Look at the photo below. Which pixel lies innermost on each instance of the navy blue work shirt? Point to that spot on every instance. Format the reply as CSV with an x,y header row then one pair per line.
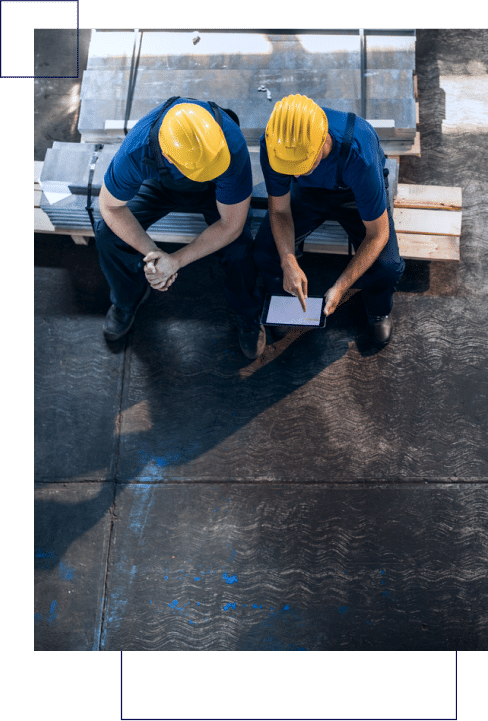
x,y
127,172
362,172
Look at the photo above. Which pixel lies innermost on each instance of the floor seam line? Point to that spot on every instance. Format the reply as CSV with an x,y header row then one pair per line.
x,y
105,578
118,419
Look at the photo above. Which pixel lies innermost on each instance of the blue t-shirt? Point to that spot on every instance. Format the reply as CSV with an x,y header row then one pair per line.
x,y
362,172
127,172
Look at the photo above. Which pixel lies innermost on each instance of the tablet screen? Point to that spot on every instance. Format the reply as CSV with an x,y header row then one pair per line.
x,y
285,310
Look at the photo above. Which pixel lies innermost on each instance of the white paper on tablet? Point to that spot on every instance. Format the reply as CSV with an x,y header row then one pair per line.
x,y
285,310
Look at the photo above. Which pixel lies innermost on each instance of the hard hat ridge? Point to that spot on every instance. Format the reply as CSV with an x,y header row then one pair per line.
x,y
193,140
295,133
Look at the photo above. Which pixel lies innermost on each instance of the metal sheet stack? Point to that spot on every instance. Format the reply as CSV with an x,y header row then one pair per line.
x,y
66,174
370,73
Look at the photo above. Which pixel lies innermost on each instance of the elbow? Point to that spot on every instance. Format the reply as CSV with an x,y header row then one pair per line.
x,y
232,232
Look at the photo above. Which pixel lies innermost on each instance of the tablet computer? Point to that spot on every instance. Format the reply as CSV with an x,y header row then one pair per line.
x,y
286,310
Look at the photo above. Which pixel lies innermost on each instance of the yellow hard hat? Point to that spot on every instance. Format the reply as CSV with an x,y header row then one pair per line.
x,y
194,141
295,134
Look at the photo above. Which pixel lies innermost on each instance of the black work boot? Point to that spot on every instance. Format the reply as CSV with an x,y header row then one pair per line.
x,y
119,322
380,329
252,337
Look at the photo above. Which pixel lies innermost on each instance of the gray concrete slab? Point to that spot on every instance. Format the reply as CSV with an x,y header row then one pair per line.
x,y
64,63
78,380
222,567
71,538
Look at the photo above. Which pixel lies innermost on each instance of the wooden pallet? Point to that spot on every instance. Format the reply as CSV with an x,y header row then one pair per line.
x,y
427,220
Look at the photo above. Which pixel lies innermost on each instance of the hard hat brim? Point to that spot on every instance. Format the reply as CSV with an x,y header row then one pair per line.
x,y
289,167
211,171
293,167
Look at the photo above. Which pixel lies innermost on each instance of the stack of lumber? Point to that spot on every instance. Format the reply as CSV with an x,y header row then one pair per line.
x,y
371,74
427,218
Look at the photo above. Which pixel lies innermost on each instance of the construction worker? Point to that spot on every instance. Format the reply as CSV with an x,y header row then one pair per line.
x,y
323,164
189,156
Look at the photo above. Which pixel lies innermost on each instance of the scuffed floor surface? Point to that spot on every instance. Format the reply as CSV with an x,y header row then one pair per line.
x,y
324,497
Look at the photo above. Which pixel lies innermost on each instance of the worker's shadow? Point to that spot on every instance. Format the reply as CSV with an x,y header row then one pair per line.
x,y
189,389
59,521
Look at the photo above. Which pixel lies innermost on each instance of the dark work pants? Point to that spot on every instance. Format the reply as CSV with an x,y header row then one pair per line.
x,y
123,266
310,207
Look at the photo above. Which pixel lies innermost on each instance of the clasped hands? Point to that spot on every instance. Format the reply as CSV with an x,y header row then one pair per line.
x,y
160,269
295,282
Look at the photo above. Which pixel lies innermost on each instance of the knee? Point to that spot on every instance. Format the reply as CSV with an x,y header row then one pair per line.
x,y
103,234
389,266
240,248
264,236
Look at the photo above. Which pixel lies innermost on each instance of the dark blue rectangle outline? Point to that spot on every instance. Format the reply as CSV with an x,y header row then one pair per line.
x,y
122,718
72,77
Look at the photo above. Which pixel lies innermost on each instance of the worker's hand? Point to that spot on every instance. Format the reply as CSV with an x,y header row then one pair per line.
x,y
167,284
160,270
295,281
332,300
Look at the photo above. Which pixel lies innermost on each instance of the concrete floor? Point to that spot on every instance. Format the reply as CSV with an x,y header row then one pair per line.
x,y
324,497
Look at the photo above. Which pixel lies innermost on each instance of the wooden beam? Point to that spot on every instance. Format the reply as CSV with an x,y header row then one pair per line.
x,y
429,247
428,197
427,222
42,224
414,247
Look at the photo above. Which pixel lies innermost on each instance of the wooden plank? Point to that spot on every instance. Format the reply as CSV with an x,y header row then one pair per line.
x,y
429,247
42,224
428,196
427,222
420,247
415,149
417,247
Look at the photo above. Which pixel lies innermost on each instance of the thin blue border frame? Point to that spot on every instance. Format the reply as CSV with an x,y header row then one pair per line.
x,y
67,77
141,718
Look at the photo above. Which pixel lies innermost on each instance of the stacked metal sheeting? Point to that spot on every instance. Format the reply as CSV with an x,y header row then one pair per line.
x,y
371,74
66,175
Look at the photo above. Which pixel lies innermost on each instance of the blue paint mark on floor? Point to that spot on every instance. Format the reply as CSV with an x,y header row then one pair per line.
x,y
53,612
44,554
229,579
65,572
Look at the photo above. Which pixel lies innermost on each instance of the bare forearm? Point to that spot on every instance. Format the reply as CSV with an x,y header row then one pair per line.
x,y
364,257
126,226
213,238
283,231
